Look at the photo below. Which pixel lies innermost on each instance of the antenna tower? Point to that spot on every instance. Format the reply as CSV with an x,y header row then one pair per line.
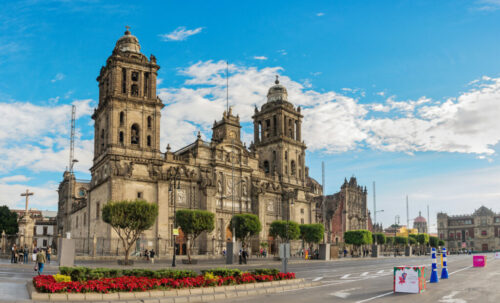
x,y
407,214
374,206
323,208
72,142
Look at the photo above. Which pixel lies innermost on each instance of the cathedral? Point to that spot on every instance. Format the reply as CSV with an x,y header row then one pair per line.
x,y
223,176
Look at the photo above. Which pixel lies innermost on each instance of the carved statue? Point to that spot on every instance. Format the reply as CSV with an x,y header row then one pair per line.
x,y
130,169
219,185
244,189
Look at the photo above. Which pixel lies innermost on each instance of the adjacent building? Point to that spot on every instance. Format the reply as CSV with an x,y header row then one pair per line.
x,y
420,224
38,229
221,175
479,231
346,210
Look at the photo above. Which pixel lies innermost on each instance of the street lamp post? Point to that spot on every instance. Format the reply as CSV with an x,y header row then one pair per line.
x,y
173,189
286,249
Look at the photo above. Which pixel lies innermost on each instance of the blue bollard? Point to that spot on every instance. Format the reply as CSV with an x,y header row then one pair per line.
x,y
444,271
434,273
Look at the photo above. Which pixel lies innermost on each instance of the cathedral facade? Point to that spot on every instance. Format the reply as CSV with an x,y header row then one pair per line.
x,y
222,175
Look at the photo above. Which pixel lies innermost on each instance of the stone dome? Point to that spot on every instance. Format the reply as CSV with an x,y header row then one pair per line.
x,y
128,43
277,92
420,219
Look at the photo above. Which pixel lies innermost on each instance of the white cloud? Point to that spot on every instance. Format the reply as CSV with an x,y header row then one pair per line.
x,y
260,57
58,77
380,94
320,14
37,137
282,52
16,178
335,122
45,196
180,34
487,5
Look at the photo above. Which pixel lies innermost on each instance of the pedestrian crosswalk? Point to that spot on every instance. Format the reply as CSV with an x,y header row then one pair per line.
x,y
340,279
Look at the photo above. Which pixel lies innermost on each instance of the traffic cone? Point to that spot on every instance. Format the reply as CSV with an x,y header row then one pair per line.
x,y
434,273
444,271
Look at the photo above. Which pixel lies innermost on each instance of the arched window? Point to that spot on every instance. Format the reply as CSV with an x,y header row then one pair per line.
x,y
150,122
122,118
124,81
266,167
149,141
292,167
275,126
121,138
134,134
102,137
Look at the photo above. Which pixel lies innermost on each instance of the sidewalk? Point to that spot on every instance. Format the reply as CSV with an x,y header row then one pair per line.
x,y
202,264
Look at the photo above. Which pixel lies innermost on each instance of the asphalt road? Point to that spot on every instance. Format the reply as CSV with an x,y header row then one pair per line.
x,y
345,280
371,280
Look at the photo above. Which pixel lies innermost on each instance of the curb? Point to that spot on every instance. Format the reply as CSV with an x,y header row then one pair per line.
x,y
205,294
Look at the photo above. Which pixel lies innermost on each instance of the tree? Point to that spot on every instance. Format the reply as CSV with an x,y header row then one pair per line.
x,y
312,233
379,238
192,224
434,241
390,240
245,226
423,239
8,221
398,240
284,230
441,243
129,219
358,237
412,240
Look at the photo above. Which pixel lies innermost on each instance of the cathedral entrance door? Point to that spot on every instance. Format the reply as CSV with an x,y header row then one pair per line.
x,y
229,234
485,247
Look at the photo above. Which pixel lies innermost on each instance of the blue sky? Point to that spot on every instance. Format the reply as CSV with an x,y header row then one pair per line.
x,y
404,93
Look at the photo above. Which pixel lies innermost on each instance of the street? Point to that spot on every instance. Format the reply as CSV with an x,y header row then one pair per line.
x,y
345,280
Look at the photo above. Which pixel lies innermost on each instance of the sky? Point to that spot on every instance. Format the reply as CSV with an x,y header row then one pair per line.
x,y
405,94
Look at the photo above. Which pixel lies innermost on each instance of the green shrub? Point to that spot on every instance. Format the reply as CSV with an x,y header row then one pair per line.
x,y
85,273
265,271
223,272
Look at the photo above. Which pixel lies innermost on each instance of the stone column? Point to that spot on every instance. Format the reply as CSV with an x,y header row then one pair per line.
x,y
256,132
299,132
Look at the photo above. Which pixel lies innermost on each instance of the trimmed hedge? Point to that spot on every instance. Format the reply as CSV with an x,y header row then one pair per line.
x,y
223,272
85,273
265,271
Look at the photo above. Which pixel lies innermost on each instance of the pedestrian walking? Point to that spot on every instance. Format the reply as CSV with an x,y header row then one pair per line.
x,y
26,251
245,255
345,252
240,258
13,254
146,254
40,261
49,252
152,256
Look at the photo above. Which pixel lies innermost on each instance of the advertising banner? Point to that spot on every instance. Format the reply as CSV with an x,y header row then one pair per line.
x,y
409,279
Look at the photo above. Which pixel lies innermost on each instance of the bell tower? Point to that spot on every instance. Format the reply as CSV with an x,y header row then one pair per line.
x,y
277,136
127,119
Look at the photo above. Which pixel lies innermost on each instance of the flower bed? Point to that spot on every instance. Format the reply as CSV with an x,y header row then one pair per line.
x,y
48,284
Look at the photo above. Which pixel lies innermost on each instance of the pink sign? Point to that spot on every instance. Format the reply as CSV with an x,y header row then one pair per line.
x,y
479,261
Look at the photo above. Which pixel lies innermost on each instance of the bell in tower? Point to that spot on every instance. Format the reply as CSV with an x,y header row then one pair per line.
x,y
277,135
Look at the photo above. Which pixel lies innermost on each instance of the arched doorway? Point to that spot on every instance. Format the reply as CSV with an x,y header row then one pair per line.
x,y
229,234
180,243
